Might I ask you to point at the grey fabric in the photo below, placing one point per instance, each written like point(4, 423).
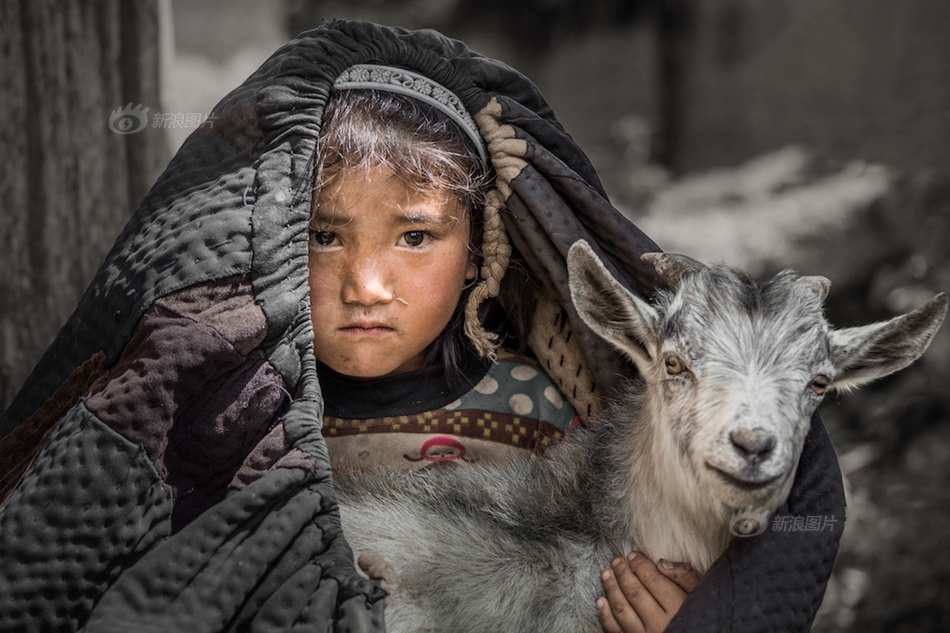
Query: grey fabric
point(86, 540)
point(90, 507)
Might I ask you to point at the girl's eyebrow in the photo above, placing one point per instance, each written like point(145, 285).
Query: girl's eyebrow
point(425, 212)
point(411, 218)
point(322, 217)
point(420, 217)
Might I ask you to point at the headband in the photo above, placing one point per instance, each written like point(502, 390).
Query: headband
point(405, 82)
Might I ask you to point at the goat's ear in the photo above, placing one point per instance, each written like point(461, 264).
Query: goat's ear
point(820, 285)
point(863, 354)
point(610, 310)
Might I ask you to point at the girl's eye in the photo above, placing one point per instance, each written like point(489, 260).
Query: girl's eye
point(414, 238)
point(322, 238)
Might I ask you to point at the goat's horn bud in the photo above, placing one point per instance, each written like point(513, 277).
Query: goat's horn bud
point(673, 267)
point(821, 285)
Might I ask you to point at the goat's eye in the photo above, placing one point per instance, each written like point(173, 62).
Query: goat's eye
point(819, 384)
point(674, 365)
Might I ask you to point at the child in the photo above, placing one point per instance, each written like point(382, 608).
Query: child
point(166, 468)
point(392, 266)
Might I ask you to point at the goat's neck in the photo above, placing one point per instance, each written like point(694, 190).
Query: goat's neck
point(660, 506)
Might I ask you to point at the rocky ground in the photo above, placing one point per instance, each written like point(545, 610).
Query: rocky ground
point(882, 238)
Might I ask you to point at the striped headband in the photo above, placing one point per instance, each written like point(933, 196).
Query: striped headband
point(405, 82)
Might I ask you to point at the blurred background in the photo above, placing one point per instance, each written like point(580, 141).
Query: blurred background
point(811, 134)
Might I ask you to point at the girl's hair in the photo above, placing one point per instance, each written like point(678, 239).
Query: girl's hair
point(429, 152)
point(424, 147)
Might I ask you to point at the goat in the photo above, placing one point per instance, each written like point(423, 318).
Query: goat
point(730, 374)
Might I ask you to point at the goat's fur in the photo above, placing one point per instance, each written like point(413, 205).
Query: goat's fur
point(718, 428)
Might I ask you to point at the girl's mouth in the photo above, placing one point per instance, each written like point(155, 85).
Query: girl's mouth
point(367, 329)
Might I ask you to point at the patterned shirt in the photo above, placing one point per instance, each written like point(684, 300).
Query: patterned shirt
point(417, 419)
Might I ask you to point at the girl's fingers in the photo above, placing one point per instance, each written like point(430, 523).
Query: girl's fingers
point(639, 580)
point(665, 596)
point(642, 597)
point(615, 611)
point(680, 573)
point(661, 597)
point(607, 621)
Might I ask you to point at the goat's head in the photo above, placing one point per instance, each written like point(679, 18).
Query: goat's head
point(734, 370)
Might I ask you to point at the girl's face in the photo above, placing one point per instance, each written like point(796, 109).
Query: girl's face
point(387, 267)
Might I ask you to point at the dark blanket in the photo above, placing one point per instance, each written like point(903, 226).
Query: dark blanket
point(163, 469)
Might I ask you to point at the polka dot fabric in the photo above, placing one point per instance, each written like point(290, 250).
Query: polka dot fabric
point(516, 386)
point(515, 404)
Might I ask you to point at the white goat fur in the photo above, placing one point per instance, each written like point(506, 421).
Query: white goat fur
point(731, 375)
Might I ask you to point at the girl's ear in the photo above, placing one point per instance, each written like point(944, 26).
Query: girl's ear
point(471, 271)
point(610, 310)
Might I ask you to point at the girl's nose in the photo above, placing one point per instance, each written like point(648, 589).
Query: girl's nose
point(367, 282)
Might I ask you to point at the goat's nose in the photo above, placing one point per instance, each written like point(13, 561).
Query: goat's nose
point(752, 444)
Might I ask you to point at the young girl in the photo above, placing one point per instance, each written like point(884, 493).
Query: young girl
point(393, 263)
point(367, 245)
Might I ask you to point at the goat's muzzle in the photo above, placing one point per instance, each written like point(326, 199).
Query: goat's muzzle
point(750, 461)
point(750, 482)
point(752, 445)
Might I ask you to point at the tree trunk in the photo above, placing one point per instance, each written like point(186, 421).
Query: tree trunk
point(68, 182)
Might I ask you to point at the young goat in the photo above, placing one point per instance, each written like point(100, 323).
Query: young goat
point(731, 374)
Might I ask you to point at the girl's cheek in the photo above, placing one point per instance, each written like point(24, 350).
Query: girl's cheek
point(319, 282)
point(441, 276)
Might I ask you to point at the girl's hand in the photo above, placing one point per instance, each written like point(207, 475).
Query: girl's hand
point(641, 597)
